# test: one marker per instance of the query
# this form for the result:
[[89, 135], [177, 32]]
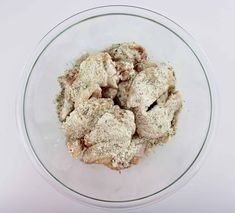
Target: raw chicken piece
[[84, 117], [115, 127], [98, 154], [126, 57], [157, 122], [149, 85], [100, 69], [128, 52], [118, 158], [95, 71], [110, 140], [64, 99]]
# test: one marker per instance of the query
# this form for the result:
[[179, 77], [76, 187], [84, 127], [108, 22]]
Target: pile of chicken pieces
[[115, 105]]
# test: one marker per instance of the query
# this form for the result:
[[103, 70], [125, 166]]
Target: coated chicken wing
[[149, 85], [157, 122]]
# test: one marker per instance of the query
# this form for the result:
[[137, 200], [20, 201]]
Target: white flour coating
[[149, 85], [151, 126], [95, 71], [117, 127], [115, 105]]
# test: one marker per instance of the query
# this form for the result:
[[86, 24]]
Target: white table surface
[[22, 25]]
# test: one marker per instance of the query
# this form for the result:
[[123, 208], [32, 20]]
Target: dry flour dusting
[[115, 105]]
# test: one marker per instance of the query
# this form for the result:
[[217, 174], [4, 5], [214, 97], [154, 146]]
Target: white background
[[23, 23]]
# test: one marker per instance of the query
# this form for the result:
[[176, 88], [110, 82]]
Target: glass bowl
[[165, 169]]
